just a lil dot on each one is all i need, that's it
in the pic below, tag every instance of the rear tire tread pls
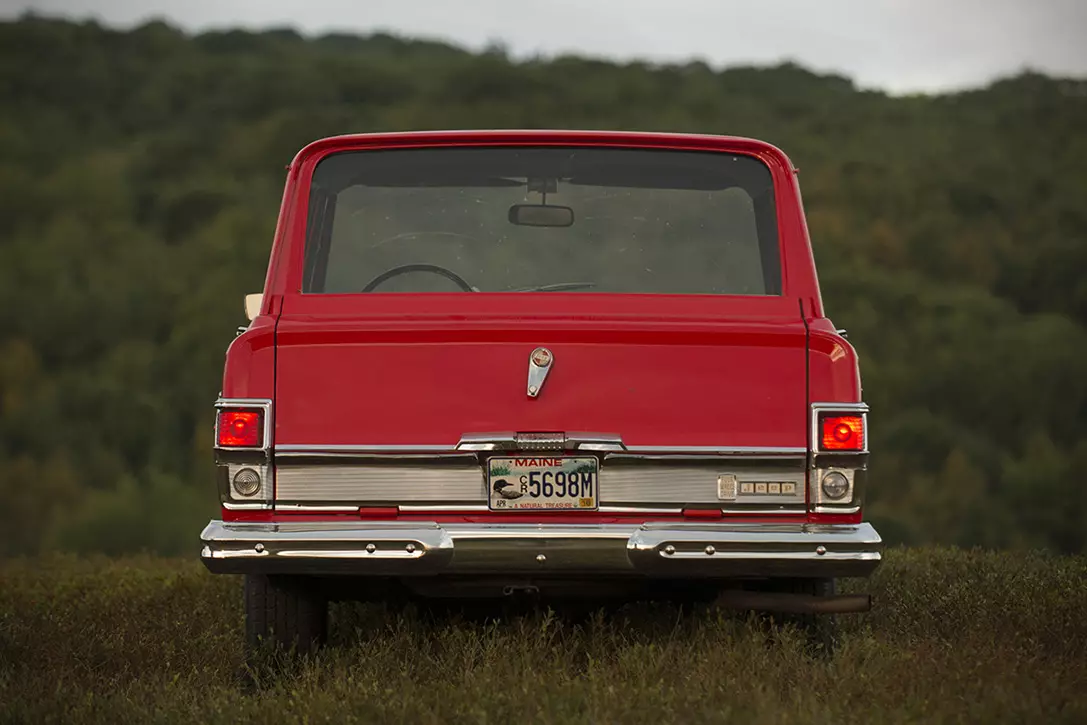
(288, 612)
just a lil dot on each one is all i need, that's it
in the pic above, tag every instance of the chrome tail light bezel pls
(230, 460)
(853, 464)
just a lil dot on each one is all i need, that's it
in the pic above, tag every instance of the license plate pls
(542, 483)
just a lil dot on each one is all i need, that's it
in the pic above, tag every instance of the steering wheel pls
(409, 268)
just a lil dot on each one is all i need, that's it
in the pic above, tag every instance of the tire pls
(821, 630)
(288, 612)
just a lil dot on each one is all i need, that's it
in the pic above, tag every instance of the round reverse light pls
(541, 357)
(247, 482)
(835, 485)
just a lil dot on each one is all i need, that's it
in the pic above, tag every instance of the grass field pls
(955, 636)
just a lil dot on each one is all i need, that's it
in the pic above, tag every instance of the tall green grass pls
(955, 636)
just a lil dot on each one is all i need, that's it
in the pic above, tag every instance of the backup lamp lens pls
(246, 482)
(842, 433)
(240, 428)
(835, 485)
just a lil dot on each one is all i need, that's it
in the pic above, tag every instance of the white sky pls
(897, 45)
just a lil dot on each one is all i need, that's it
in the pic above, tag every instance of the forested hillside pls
(141, 172)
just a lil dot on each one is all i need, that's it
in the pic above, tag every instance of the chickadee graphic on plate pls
(505, 489)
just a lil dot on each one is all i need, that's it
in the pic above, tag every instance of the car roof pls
(652, 139)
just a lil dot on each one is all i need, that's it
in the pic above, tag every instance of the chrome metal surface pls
(511, 441)
(458, 485)
(610, 443)
(714, 451)
(262, 404)
(848, 408)
(825, 504)
(258, 506)
(383, 450)
(444, 508)
(757, 549)
(449, 483)
(639, 510)
(540, 441)
(668, 549)
(653, 483)
(231, 500)
(315, 508)
(499, 441)
(540, 361)
(585, 441)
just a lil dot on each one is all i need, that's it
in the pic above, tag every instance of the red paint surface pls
(656, 369)
(346, 379)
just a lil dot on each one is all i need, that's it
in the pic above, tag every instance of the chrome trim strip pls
(717, 549)
(317, 508)
(263, 506)
(378, 448)
(501, 441)
(819, 408)
(265, 406)
(638, 510)
(716, 451)
(451, 508)
(482, 442)
(584, 441)
(695, 484)
(839, 510)
(512, 441)
(394, 484)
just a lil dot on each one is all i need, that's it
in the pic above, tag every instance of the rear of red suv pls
(567, 363)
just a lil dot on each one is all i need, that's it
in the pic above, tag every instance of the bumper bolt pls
(259, 548)
(669, 550)
(820, 550)
(410, 548)
(710, 551)
(541, 558)
(370, 548)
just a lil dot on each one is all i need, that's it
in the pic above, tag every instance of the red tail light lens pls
(842, 433)
(240, 428)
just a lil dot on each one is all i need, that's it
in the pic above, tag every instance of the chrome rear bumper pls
(412, 548)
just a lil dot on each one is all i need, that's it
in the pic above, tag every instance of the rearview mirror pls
(541, 215)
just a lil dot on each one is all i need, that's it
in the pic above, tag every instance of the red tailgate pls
(386, 369)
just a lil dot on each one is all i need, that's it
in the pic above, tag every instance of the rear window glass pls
(503, 219)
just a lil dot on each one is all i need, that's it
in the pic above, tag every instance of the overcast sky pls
(897, 45)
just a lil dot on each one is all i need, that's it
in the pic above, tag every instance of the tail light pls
(841, 432)
(240, 428)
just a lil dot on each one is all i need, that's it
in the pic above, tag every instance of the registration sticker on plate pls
(542, 483)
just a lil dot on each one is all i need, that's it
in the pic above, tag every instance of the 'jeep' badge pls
(539, 363)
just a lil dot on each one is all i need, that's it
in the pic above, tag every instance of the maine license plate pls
(542, 483)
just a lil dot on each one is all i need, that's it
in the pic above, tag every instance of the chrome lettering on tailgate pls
(542, 483)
